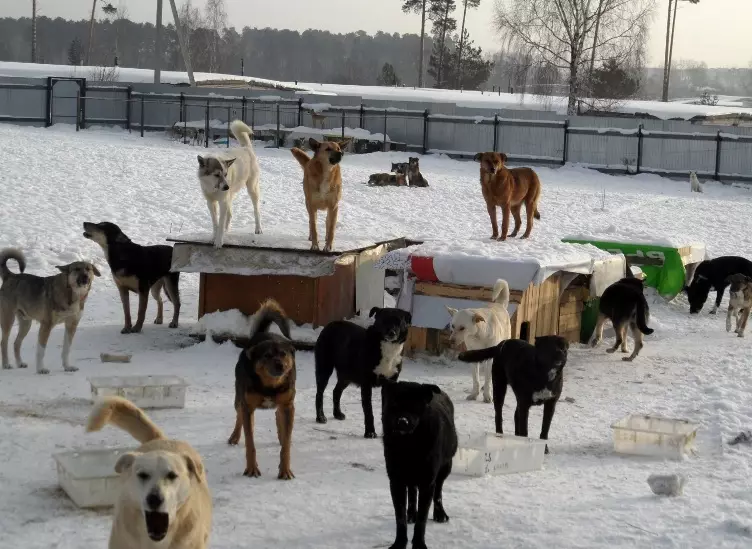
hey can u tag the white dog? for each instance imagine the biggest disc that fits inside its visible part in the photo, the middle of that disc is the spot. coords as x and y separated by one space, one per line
481 328
164 501
223 176
694 183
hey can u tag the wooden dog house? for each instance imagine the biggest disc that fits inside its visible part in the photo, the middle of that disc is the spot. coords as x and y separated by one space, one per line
313 287
549 288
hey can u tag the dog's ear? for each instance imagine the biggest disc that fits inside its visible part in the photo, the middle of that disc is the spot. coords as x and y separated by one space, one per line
503 157
229 162
314 144
195 468
477 156
201 161
429 391
373 311
125 462
63 268
477 318
409 316
344 144
96 271
451 310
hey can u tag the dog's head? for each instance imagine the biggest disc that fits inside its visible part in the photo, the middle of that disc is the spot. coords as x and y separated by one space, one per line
399 167
632 281
465 325
272 361
391 324
404 404
79 275
551 352
697 292
738 285
490 162
328 151
104 233
414 163
212 172
159 483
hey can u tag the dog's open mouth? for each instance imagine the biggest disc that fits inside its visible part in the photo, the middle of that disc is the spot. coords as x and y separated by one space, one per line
156 524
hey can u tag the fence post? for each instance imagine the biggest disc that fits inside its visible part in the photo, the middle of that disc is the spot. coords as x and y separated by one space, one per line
496 133
565 152
243 102
385 115
182 107
300 111
229 115
362 116
343 124
277 136
82 110
185 127
425 130
206 127
639 148
128 100
718 140
78 110
142 116
253 114
48 100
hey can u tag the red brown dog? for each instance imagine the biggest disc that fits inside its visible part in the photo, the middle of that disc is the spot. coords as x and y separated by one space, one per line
509 189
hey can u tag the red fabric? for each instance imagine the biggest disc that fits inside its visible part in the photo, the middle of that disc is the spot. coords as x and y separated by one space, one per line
422 267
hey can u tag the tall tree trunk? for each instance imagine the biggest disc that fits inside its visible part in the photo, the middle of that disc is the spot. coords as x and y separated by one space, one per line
458 83
183 43
443 44
91 32
671 48
664 97
572 96
422 40
33 31
595 40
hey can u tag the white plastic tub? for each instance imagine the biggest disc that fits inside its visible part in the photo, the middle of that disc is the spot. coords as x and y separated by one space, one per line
494 454
654 436
143 391
89 477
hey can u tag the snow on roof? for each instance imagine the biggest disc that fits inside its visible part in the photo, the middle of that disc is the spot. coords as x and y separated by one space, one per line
612 233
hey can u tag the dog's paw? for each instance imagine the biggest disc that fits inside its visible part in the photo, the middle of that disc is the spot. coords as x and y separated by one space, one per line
9 367
259 231
234 439
501 239
314 246
628 358
126 330
252 472
328 248
136 329
43 371
340 416
740 334
70 368
487 399
546 451
494 236
173 324
158 320
439 515
611 351
370 434
23 365
594 343
321 419
472 396
399 544
419 545
285 474
713 311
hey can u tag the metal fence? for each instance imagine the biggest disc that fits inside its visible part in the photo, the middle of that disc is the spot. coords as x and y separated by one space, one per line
202 115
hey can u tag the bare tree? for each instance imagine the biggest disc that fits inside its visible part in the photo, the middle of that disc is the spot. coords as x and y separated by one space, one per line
91 31
561 33
669 54
33 31
216 18
418 6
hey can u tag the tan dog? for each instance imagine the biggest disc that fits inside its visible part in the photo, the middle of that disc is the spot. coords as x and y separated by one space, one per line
322 185
165 502
509 189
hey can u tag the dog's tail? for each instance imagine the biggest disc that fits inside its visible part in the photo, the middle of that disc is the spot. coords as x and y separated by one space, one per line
270 313
479 355
642 316
11 253
500 293
126 415
241 132
536 215
300 155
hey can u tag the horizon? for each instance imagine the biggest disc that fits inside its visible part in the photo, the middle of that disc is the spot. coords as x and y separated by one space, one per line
696 39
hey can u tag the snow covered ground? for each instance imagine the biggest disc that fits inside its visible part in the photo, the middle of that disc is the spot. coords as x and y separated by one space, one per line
586 497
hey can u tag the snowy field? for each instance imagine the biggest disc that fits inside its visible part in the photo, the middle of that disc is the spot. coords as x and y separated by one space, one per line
585 497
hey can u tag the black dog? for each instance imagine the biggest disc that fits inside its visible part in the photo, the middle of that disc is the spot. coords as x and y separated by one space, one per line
420 441
138 269
533 371
362 356
624 304
712 274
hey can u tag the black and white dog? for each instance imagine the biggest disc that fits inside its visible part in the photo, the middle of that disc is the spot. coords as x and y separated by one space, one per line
365 357
714 274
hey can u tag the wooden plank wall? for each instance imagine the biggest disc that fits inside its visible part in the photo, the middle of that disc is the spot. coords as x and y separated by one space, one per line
570 312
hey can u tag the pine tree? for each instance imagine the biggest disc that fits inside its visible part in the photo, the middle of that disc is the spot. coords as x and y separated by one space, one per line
388 76
75 52
443 27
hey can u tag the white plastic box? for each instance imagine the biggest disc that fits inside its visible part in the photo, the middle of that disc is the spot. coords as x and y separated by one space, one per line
143 391
654 436
89 477
495 454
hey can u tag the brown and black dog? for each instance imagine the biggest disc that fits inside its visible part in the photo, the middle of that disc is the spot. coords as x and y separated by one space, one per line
509 189
322 185
265 378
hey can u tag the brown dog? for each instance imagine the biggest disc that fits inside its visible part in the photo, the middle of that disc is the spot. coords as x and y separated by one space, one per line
509 189
322 185
265 378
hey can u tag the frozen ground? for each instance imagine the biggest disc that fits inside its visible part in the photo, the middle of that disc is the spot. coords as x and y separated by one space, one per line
52 180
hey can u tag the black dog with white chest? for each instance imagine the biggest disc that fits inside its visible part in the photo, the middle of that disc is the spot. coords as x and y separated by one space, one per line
365 357
713 274
420 441
535 373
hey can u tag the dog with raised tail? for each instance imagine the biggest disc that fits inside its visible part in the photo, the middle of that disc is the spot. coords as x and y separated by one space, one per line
482 328
164 502
223 175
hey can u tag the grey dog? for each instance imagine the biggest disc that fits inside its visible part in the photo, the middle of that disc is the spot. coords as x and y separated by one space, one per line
49 300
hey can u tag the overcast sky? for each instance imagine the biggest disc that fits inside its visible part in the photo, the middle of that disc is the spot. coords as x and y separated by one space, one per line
715 31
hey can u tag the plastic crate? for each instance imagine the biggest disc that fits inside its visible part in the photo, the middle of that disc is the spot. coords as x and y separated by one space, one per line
495 454
654 436
143 391
89 477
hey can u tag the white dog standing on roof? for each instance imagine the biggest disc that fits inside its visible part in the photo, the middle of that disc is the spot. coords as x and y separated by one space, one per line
482 328
223 175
